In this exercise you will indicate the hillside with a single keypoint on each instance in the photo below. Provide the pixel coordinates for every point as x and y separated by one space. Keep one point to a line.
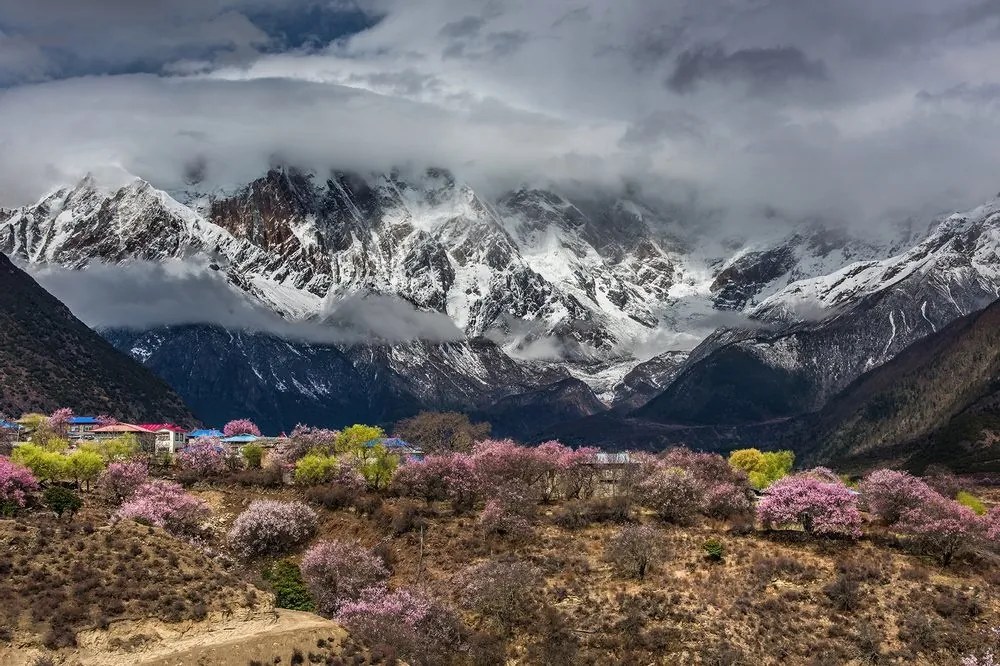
937 401
50 359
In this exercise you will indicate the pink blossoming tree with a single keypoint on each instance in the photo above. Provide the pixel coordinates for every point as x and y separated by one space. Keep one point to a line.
240 427
207 457
337 572
941 527
121 479
820 507
420 628
15 484
888 493
675 494
165 504
271 527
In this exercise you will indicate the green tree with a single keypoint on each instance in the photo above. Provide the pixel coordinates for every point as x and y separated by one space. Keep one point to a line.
62 500
315 468
48 467
442 432
353 438
968 499
377 465
123 447
84 466
290 590
762 468
55 444
253 454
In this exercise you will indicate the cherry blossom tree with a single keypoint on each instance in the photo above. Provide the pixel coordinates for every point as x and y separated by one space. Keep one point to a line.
271 527
420 628
207 457
121 479
240 427
728 500
15 484
888 493
941 527
337 572
820 507
165 505
425 479
58 421
675 494
992 523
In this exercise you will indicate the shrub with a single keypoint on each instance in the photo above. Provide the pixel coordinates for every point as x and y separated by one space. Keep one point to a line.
337 572
84 467
500 591
421 629
763 469
253 454
673 493
271 527
503 519
62 500
330 497
121 479
206 457
714 550
165 505
843 593
16 481
315 468
290 590
968 499
941 527
633 548
888 493
821 508
265 477
240 427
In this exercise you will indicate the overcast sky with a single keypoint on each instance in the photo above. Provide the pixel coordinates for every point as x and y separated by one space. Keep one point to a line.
857 109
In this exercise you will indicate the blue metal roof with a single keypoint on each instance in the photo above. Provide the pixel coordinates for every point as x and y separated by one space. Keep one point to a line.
83 420
240 439
209 432
9 425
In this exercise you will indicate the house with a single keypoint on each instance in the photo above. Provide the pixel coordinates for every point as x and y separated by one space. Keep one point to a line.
80 427
209 432
169 438
147 438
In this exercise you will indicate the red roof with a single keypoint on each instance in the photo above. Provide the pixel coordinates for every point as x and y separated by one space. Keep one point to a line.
153 427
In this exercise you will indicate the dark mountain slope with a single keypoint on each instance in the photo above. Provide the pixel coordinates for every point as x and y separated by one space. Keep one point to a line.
937 401
50 359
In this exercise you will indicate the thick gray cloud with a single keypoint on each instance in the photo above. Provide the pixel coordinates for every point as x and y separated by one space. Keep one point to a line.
762 69
855 110
144 295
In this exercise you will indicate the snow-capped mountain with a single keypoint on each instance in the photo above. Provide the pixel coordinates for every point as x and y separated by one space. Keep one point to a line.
812 338
564 288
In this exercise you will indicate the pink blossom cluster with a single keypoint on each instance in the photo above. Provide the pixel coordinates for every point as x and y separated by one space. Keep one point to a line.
206 457
674 493
305 439
888 493
165 505
120 480
58 421
240 427
422 629
337 572
505 518
942 527
992 522
820 507
15 484
271 527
